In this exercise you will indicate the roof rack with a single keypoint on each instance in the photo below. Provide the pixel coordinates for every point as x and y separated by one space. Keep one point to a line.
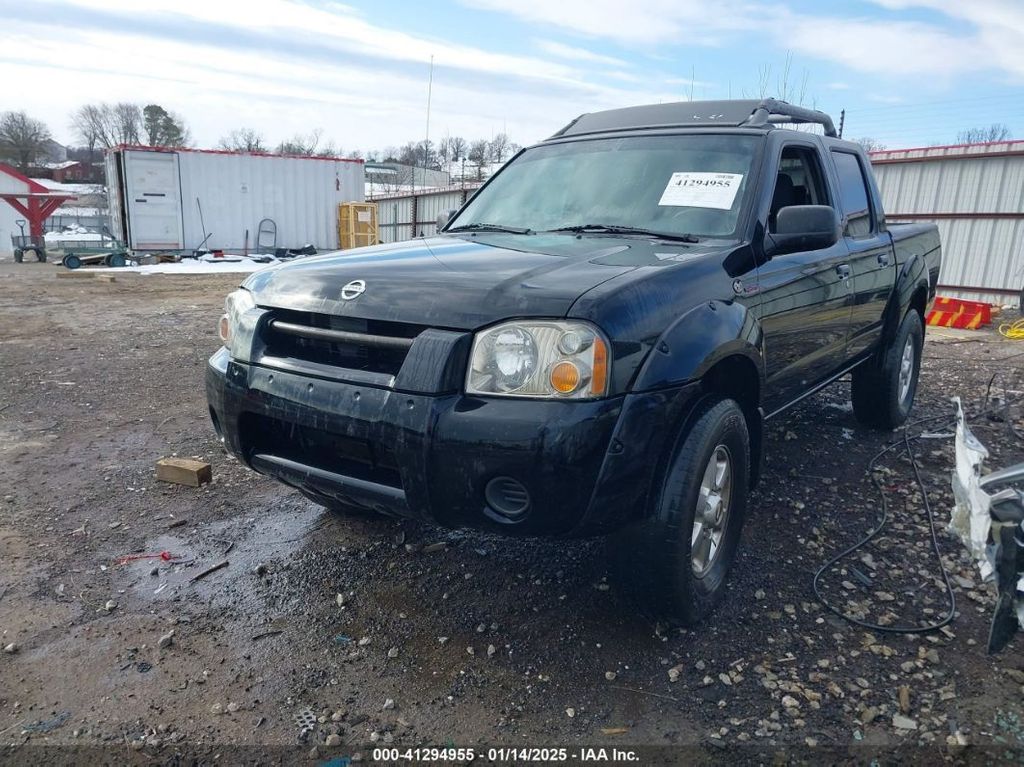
749 113
773 111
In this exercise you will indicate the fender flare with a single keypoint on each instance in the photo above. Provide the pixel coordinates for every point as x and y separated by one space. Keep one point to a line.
696 341
913 277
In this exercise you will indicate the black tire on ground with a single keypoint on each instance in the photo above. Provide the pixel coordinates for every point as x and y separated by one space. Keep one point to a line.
117 260
71 261
883 389
41 255
19 255
676 560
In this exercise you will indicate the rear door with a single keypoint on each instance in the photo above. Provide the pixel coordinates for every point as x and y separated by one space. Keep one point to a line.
870 252
806 297
153 201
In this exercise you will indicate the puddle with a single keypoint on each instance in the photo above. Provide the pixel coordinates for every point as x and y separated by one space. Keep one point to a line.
243 542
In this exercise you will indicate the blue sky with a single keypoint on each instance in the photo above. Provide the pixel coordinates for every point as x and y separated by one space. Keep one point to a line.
907 72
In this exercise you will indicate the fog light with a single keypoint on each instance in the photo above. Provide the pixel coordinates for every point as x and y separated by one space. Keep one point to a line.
508 498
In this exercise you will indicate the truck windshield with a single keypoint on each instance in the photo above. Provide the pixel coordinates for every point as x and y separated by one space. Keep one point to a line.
676 185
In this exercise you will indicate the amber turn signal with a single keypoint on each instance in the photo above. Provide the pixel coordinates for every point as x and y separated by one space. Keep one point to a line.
565 377
599 374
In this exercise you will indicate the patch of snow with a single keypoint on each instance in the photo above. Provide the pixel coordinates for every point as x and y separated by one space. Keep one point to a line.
194 266
76 234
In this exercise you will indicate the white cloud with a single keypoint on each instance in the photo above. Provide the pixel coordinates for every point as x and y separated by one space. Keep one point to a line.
692 22
897 48
574 53
998 25
885 48
365 85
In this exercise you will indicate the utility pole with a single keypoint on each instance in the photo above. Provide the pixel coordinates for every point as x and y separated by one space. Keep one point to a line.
842 121
426 143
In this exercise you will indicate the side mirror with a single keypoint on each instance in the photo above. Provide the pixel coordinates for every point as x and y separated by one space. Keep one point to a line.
803 227
444 217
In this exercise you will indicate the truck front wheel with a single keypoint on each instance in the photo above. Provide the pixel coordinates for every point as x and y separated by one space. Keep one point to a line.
677 559
883 391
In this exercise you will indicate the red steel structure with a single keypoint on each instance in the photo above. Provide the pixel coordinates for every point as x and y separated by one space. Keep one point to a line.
36 203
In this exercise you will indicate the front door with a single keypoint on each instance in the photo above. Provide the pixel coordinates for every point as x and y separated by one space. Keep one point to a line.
806 297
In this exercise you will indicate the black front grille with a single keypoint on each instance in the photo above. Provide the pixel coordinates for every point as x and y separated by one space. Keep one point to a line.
336 453
373 346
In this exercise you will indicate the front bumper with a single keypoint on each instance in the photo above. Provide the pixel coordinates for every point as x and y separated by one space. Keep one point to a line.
587 465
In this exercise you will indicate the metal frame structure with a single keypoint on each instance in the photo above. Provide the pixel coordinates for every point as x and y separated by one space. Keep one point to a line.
39 202
744 113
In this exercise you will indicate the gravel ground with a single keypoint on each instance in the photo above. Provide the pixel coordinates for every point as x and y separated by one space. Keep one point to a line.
393 634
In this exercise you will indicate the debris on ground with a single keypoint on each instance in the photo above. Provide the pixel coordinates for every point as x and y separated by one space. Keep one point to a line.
184 471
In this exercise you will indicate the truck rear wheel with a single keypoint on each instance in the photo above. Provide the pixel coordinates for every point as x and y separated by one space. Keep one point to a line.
677 559
883 391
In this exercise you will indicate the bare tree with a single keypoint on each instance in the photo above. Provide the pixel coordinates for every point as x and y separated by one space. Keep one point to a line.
994 132
109 125
459 147
478 153
305 144
243 140
126 119
870 144
87 123
22 139
498 149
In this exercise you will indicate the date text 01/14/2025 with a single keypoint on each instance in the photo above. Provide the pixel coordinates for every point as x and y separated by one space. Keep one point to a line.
506 754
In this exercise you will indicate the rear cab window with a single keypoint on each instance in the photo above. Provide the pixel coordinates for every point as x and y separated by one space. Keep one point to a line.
853 194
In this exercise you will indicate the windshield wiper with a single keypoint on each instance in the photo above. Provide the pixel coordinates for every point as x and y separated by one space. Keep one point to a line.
616 229
481 227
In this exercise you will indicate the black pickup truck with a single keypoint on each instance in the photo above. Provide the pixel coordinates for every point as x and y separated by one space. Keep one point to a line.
593 342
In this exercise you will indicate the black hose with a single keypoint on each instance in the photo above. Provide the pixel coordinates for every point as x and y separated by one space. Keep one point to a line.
905 442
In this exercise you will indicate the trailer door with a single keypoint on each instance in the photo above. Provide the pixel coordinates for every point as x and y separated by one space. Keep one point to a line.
153 201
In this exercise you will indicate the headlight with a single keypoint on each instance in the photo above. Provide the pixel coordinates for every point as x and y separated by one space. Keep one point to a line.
539 359
236 304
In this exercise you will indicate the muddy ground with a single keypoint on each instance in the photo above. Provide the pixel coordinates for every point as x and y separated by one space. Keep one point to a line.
391 633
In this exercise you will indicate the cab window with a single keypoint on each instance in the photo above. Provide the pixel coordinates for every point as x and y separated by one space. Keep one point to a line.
799 182
853 194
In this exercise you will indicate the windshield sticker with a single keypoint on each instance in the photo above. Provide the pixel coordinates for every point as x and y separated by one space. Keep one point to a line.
701 190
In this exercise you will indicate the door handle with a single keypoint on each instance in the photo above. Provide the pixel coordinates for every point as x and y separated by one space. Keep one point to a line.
843 270
883 259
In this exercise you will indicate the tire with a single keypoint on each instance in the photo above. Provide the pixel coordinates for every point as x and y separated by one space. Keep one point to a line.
71 261
19 255
883 391
660 561
117 261
41 256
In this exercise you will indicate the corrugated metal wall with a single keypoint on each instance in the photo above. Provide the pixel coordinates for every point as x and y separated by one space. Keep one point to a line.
236 191
404 216
975 195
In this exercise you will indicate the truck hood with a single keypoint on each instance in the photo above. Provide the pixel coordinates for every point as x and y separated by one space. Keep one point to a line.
457 282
